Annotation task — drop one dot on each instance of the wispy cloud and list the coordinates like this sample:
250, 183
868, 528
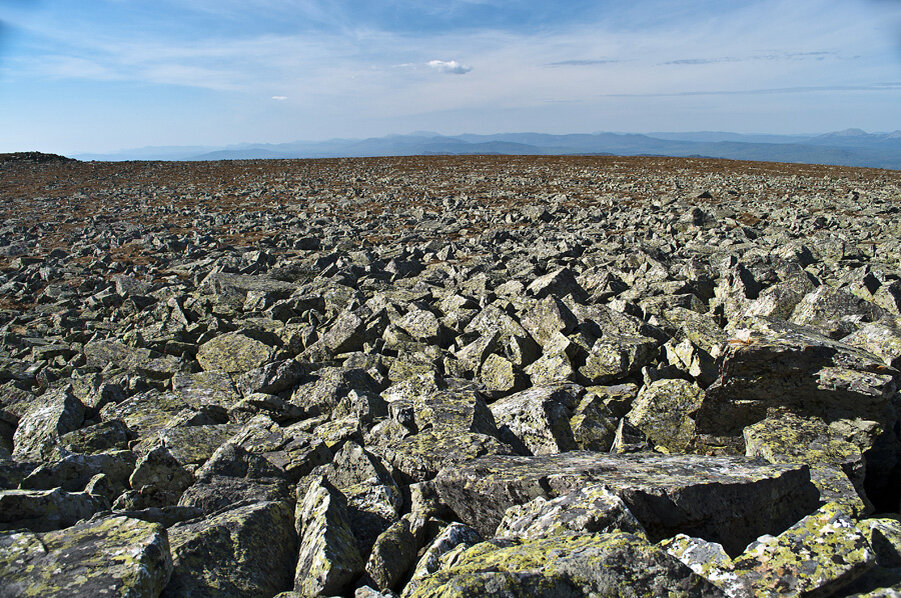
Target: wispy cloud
875, 87
816, 55
582, 62
450, 67
279, 98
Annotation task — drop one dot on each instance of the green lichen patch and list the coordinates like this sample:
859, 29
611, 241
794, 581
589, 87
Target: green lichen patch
613, 564
117, 556
816, 556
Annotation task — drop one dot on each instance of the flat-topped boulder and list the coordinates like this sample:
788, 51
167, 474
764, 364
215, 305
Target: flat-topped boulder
729, 500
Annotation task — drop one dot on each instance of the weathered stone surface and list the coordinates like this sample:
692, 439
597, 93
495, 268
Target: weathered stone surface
587, 565
884, 537
74, 471
247, 551
818, 555
664, 411
537, 421
205, 388
591, 510
292, 450
45, 510
393, 553
162, 474
730, 500
234, 352
267, 324
125, 556
835, 312
420, 457
452, 536
102, 437
614, 357
837, 466
329, 560
710, 561
775, 365
54, 414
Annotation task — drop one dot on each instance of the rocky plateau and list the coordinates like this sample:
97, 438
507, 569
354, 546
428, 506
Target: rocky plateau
449, 376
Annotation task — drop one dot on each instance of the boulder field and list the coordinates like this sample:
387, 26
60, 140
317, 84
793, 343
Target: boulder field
450, 377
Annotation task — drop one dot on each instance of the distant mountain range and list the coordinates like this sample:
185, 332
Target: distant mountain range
851, 147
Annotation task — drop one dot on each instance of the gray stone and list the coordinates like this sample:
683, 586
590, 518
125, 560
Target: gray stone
329, 560
125, 556
234, 352
587, 565
55, 413
243, 552
730, 500
45, 510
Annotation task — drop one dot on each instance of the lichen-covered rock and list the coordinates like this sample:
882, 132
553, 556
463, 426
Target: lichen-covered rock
327, 387
613, 564
292, 450
664, 411
730, 500
614, 357
884, 536
116, 556
463, 410
549, 317
880, 340
329, 560
501, 375
54, 413
145, 412
710, 561
105, 436
591, 510
817, 556
205, 388
551, 368
835, 312
837, 466
234, 352
394, 553
537, 420
46, 510
773, 365
374, 499
243, 552
272, 378
561, 283
420, 457
73, 471
348, 333
452, 536
159, 471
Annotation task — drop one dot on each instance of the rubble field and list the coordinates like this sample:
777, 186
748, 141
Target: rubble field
449, 376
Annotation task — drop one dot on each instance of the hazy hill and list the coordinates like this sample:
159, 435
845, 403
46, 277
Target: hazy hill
851, 147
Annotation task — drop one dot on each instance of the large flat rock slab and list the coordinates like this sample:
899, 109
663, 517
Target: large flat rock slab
116, 556
729, 500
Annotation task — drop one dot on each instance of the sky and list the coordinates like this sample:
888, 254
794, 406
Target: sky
102, 75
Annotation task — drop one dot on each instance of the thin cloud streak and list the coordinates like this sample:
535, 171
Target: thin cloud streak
880, 87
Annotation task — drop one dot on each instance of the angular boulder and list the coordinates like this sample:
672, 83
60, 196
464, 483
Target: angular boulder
730, 500
113, 556
817, 556
614, 564
243, 552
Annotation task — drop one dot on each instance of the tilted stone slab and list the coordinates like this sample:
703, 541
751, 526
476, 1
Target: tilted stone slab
614, 564
244, 552
729, 500
117, 556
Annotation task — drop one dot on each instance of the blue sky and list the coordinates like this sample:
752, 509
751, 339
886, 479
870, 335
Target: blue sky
101, 75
